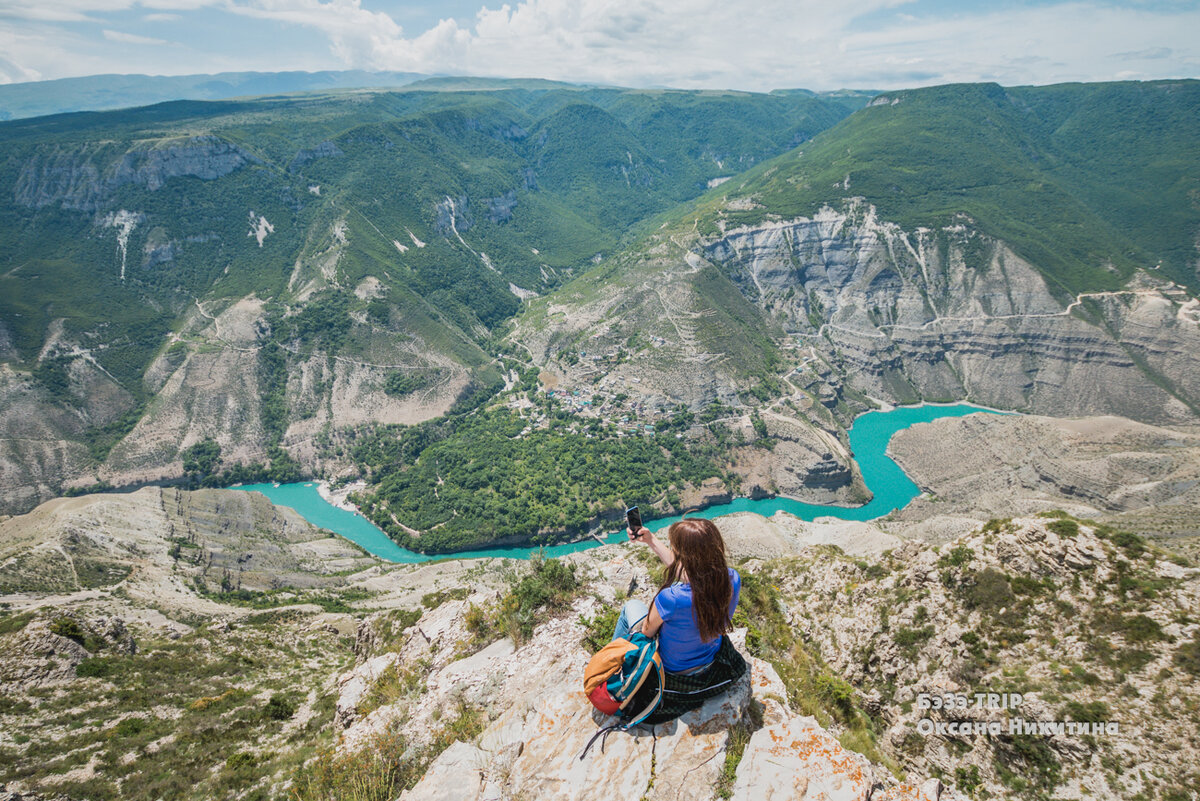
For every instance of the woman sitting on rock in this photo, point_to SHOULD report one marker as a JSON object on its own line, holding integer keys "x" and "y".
{"x": 690, "y": 613}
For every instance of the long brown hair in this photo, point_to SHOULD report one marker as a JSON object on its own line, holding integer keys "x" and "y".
{"x": 700, "y": 556}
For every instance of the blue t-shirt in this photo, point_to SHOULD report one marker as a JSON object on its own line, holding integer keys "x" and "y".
{"x": 679, "y": 641}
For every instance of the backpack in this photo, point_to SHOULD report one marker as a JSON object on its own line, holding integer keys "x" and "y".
{"x": 613, "y": 678}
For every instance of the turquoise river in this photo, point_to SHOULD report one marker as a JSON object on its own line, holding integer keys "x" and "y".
{"x": 869, "y": 438}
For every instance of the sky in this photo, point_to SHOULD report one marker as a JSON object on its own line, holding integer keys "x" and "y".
{"x": 718, "y": 44}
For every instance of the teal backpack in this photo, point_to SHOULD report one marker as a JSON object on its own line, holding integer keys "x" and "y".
{"x": 624, "y": 679}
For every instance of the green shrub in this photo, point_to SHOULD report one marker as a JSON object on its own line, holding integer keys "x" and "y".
{"x": 394, "y": 684}
{"x": 967, "y": 779}
{"x": 1064, "y": 528}
{"x": 988, "y": 591}
{"x": 12, "y": 623}
{"x": 910, "y": 638}
{"x": 996, "y": 525}
{"x": 549, "y": 585}
{"x": 958, "y": 557}
{"x": 837, "y": 692}
{"x": 1133, "y": 545}
{"x": 1134, "y": 628}
{"x": 432, "y": 600}
{"x": 130, "y": 727}
{"x": 1188, "y": 656}
{"x": 1093, "y": 712}
{"x": 599, "y": 628}
{"x": 95, "y": 667}
{"x": 546, "y": 587}
{"x": 1028, "y": 765}
{"x": 376, "y": 772}
{"x": 69, "y": 628}
{"x": 279, "y": 708}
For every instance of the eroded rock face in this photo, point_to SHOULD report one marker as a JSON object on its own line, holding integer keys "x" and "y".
{"x": 952, "y": 314}
{"x": 84, "y": 178}
{"x": 871, "y": 308}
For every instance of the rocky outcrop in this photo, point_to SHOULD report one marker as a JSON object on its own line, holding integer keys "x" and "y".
{"x": 83, "y": 178}
{"x": 324, "y": 150}
{"x": 48, "y": 650}
{"x": 541, "y": 722}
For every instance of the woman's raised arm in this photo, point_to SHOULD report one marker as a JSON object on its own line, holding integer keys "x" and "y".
{"x": 645, "y": 536}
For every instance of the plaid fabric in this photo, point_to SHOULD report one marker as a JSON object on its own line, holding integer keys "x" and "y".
{"x": 684, "y": 693}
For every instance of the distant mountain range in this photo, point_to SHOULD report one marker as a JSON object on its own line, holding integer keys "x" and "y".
{"x": 104, "y": 92}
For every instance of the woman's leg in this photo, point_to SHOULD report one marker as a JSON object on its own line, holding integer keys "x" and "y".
{"x": 632, "y": 615}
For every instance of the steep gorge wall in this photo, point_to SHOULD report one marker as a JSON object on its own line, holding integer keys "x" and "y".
{"x": 953, "y": 315}
{"x": 83, "y": 178}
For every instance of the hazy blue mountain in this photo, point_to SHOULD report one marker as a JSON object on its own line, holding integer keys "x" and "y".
{"x": 101, "y": 92}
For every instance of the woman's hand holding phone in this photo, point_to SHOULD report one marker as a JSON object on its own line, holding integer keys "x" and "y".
{"x": 642, "y": 535}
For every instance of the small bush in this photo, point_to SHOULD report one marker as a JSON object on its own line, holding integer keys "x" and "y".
{"x": 129, "y": 727}
{"x": 392, "y": 685}
{"x": 481, "y": 623}
{"x": 910, "y": 638}
{"x": 837, "y": 692}
{"x": 988, "y": 591}
{"x": 1064, "y": 528}
{"x": 549, "y": 584}
{"x": 599, "y": 628}
{"x": 1023, "y": 585}
{"x": 12, "y": 623}
{"x": 967, "y": 779}
{"x": 958, "y": 557}
{"x": 996, "y": 525}
{"x": 1188, "y": 656}
{"x": 1133, "y": 545}
{"x": 67, "y": 627}
{"x": 1134, "y": 628}
{"x": 279, "y": 708}
{"x": 1028, "y": 763}
{"x": 1094, "y": 712}
{"x": 95, "y": 667}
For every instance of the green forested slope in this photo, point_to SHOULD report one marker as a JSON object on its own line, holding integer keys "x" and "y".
{"x": 1087, "y": 181}
{"x": 540, "y": 181}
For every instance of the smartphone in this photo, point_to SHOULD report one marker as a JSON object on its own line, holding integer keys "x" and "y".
{"x": 634, "y": 518}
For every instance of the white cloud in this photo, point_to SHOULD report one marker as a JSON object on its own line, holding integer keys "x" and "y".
{"x": 62, "y": 10}
{"x": 132, "y": 38}
{"x": 89, "y": 10}
{"x": 15, "y": 73}
{"x": 354, "y": 32}
{"x": 685, "y": 43}
{"x": 762, "y": 45}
